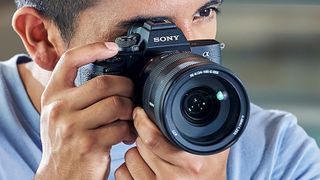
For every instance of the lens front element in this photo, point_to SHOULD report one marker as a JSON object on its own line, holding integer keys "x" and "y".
{"x": 201, "y": 105}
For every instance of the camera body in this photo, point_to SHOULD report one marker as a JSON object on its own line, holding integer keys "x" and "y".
{"x": 145, "y": 42}
{"x": 200, "y": 106}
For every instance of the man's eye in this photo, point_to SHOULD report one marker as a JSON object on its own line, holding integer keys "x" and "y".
{"x": 206, "y": 13}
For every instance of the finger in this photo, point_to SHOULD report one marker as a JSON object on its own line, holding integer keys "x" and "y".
{"x": 156, "y": 142}
{"x": 137, "y": 167}
{"x": 122, "y": 173}
{"x": 65, "y": 71}
{"x": 105, "y": 112}
{"x": 156, "y": 164}
{"x": 131, "y": 138}
{"x": 99, "y": 88}
{"x": 111, "y": 134}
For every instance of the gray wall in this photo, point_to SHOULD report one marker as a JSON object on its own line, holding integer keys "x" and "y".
{"x": 275, "y": 49}
{"x": 274, "y": 46}
{"x": 9, "y": 42}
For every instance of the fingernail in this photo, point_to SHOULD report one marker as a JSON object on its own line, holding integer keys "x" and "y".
{"x": 112, "y": 46}
{"x": 134, "y": 113}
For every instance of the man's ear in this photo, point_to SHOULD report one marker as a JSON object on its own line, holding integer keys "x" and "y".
{"x": 32, "y": 29}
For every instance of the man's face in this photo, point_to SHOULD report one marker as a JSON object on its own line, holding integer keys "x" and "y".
{"x": 108, "y": 19}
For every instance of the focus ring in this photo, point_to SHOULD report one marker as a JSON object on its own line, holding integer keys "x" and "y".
{"x": 160, "y": 66}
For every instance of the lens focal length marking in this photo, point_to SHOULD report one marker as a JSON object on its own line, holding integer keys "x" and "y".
{"x": 239, "y": 126}
{"x": 174, "y": 132}
{"x": 207, "y": 71}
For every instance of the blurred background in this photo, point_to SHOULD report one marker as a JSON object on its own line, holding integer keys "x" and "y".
{"x": 273, "y": 45}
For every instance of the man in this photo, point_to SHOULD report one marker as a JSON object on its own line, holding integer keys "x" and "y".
{"x": 82, "y": 128}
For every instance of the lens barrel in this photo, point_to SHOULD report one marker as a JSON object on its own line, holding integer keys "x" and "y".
{"x": 199, "y": 105}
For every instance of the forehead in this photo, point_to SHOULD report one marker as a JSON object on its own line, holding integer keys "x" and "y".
{"x": 99, "y": 23}
{"x": 147, "y": 7}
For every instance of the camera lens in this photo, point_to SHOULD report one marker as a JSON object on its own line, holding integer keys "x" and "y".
{"x": 201, "y": 105}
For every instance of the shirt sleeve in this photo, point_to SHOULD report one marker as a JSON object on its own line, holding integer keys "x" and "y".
{"x": 298, "y": 156}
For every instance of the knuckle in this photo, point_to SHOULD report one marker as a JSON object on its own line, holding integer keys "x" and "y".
{"x": 130, "y": 85}
{"x": 117, "y": 103}
{"x": 195, "y": 167}
{"x": 125, "y": 108}
{"x": 101, "y": 83}
{"x": 44, "y": 98}
{"x": 118, "y": 173}
{"x": 153, "y": 141}
{"x": 124, "y": 128}
{"x": 130, "y": 106}
{"x": 56, "y": 110}
{"x": 175, "y": 176}
{"x": 67, "y": 129}
{"x": 131, "y": 154}
{"x": 97, "y": 45}
{"x": 183, "y": 177}
{"x": 66, "y": 58}
{"x": 66, "y": 55}
{"x": 86, "y": 145}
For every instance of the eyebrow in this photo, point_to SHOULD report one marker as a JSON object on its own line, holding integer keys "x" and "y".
{"x": 140, "y": 19}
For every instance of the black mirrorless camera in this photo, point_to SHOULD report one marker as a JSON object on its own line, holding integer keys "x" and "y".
{"x": 200, "y": 106}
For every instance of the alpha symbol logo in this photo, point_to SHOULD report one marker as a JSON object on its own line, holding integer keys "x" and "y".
{"x": 206, "y": 54}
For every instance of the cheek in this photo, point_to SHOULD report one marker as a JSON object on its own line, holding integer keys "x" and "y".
{"x": 205, "y": 30}
{"x": 83, "y": 36}
{"x": 199, "y": 30}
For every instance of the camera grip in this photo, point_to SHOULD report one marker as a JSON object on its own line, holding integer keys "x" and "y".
{"x": 87, "y": 72}
{"x": 114, "y": 66}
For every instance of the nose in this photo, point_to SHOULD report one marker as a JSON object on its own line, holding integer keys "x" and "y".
{"x": 196, "y": 31}
{"x": 186, "y": 27}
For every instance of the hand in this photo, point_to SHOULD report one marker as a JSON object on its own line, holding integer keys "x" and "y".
{"x": 156, "y": 158}
{"x": 80, "y": 124}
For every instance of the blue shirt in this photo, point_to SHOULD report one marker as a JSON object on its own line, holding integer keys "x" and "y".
{"x": 273, "y": 145}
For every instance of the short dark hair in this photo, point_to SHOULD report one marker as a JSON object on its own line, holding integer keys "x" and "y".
{"x": 63, "y": 13}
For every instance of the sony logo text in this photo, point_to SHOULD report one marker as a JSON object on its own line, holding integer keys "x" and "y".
{"x": 166, "y": 38}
